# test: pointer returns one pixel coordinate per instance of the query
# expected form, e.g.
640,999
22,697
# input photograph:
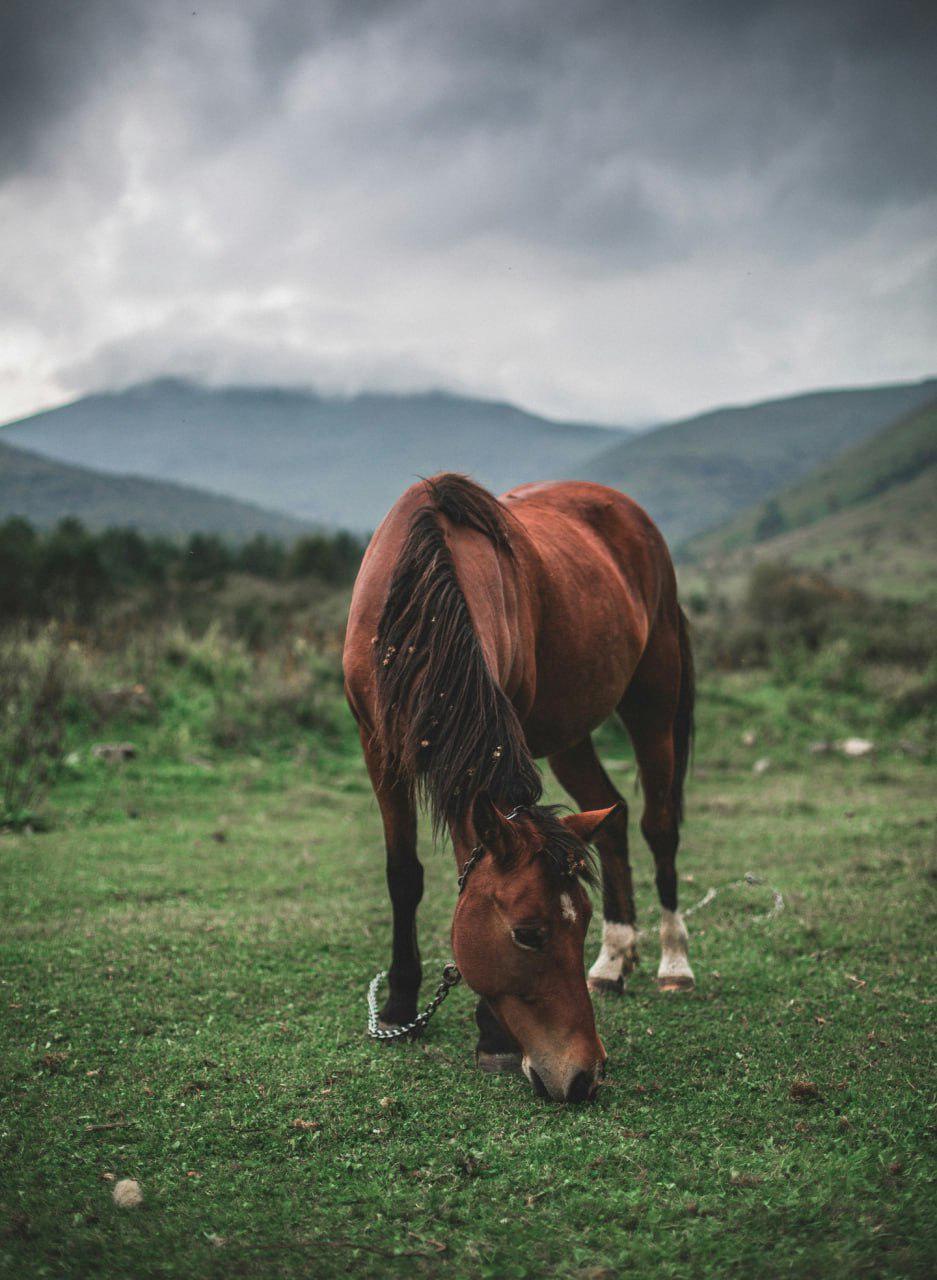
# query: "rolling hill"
44,491
698,473
869,518
333,461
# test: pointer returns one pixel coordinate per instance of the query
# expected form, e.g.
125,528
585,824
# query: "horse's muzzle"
583,1087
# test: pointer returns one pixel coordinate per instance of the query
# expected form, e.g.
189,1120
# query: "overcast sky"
611,211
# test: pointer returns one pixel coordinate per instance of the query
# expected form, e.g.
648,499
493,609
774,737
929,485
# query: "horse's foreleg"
497,1050
579,771
405,886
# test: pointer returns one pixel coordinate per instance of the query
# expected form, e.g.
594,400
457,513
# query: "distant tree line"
70,572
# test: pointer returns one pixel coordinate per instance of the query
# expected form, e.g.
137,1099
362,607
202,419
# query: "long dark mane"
444,724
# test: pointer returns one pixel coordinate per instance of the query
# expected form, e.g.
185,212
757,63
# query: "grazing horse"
484,633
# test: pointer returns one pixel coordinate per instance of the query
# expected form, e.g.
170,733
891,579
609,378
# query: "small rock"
749,738
114,752
127,1193
200,762
761,766
856,747
821,748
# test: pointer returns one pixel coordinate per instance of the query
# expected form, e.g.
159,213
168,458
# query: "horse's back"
606,591
607,511
600,531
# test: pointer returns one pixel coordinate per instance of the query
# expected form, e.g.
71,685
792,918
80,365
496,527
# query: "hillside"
869,518
899,453
335,461
44,491
698,473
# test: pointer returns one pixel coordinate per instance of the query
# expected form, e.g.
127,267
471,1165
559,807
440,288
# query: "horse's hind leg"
579,771
649,710
405,885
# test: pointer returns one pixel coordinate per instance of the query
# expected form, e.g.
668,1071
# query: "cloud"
598,210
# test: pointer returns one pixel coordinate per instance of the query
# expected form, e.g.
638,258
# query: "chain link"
450,978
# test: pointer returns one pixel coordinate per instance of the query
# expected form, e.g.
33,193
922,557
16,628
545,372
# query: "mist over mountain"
334,461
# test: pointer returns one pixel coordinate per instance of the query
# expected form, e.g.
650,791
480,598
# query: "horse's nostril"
582,1088
539,1087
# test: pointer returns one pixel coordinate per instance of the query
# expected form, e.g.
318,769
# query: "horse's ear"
588,825
492,829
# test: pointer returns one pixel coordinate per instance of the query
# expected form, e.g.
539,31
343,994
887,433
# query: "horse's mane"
444,724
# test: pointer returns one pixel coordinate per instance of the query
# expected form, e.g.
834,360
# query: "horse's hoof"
494,1063
395,1026
678,982
606,986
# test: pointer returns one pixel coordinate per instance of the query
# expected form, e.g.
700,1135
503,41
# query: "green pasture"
183,963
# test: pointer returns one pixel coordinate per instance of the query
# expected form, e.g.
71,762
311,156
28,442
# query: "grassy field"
184,960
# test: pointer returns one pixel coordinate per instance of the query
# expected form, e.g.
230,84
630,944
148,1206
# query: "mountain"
44,491
869,518
334,461
698,473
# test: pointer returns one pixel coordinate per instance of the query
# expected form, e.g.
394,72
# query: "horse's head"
518,935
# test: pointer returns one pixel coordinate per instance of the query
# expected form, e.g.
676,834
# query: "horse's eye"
530,937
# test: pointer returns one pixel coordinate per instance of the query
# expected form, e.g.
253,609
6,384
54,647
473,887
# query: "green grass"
184,957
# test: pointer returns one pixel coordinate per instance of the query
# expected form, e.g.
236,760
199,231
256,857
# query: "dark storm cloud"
329,166
51,51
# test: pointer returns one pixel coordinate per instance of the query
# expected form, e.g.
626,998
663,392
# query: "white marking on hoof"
618,956
569,911
674,972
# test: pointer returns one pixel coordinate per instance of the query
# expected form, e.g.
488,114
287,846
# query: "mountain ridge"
340,461
867,518
698,472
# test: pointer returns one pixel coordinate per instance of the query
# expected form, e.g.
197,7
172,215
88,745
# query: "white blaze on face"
569,911
619,951
673,946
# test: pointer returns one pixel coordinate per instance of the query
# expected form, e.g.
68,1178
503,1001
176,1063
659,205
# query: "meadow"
189,933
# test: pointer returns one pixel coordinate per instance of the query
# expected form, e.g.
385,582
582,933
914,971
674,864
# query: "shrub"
32,725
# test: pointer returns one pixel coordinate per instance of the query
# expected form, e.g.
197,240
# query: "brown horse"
485,632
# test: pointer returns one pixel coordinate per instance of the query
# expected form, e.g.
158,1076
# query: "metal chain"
477,853
450,978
